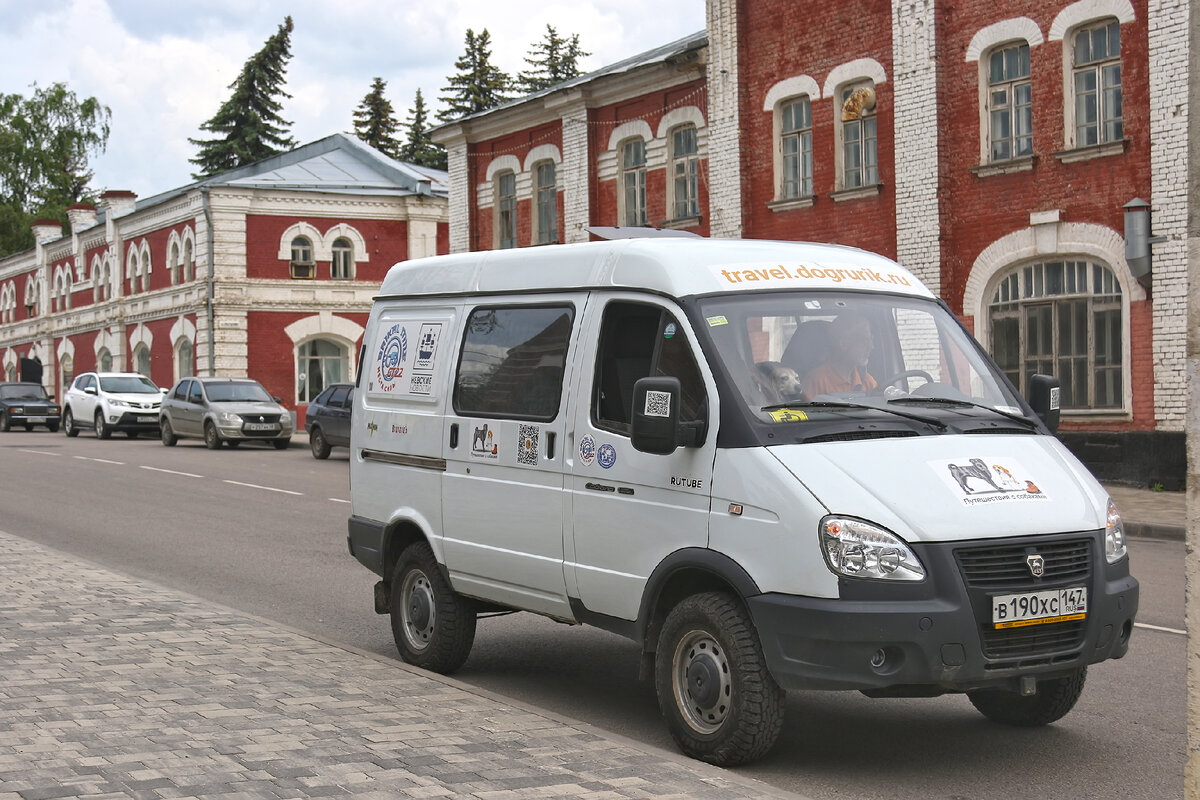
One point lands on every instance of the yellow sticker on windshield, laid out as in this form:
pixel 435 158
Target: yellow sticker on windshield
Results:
pixel 717 320
pixel 788 415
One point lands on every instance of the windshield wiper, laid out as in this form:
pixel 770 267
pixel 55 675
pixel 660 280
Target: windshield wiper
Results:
pixel 950 401
pixel 937 423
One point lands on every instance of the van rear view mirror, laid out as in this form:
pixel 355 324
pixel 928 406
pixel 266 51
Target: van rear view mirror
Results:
pixel 656 415
pixel 1045 397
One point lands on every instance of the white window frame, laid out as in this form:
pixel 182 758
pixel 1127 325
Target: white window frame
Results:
pixel 341 259
pixel 545 197
pixel 683 167
pixel 302 264
pixel 631 176
pixel 1010 85
pixel 1100 69
pixel 505 203
pixel 867 120
pixel 1079 15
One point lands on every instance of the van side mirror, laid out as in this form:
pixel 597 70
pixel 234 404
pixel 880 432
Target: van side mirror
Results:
pixel 1045 397
pixel 656 415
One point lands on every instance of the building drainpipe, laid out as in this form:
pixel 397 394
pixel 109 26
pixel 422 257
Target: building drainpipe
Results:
pixel 212 331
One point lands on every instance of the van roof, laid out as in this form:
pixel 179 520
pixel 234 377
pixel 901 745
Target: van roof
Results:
pixel 677 267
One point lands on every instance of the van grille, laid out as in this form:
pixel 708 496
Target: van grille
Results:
pixel 1035 640
pixel 1005 567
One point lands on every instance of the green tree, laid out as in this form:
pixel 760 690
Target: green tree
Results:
pixel 551 61
pixel 248 127
pixel 45 143
pixel 478 85
pixel 375 121
pixel 419 148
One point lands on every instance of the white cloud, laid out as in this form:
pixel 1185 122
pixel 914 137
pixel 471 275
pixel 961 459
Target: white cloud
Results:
pixel 164 68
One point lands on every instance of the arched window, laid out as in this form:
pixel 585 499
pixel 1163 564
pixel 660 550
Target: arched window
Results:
pixel 1010 102
pixel 342 265
pixel 104 360
pixel 506 210
pixel 797 149
pixel 189 262
pixel 1061 318
pixel 859 135
pixel 174 266
pixel 633 182
pixel 685 172
pixel 302 264
pixel 319 362
pixel 547 203
pixel 66 368
pixel 1096 65
pixel 185 357
pixel 141 359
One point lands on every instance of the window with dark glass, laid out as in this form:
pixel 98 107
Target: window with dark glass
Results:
pixel 513 360
pixel 685 171
pixel 547 203
pixel 796 146
pixel 302 265
pixel 633 182
pixel 342 265
pixel 506 209
pixel 1010 103
pixel 1061 318
pixel 1097 75
pixel 860 157
pixel 640 341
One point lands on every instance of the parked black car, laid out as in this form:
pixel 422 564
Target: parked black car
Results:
pixel 27 404
pixel 328 419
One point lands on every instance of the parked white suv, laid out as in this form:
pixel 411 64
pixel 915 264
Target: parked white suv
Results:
pixel 112 401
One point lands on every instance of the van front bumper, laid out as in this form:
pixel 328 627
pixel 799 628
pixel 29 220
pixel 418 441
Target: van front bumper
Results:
pixel 938 636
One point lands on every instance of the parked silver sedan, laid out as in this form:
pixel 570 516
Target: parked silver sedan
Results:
pixel 220 410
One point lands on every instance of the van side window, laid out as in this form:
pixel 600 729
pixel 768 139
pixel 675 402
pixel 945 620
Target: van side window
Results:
pixel 513 361
pixel 640 341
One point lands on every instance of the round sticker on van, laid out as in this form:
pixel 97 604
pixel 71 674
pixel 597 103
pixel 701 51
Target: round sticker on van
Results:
pixel 606 456
pixel 587 450
pixel 670 330
pixel 389 361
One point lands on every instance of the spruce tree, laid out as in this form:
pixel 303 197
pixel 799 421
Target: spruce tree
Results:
pixel 479 85
pixel 375 121
pixel 419 148
pixel 551 61
pixel 248 127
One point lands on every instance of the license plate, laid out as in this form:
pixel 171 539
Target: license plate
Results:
pixel 1039 608
pixel 35 419
pixel 147 418
pixel 261 426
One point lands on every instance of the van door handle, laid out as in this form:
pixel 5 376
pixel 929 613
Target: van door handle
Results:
pixel 550 436
pixel 453 435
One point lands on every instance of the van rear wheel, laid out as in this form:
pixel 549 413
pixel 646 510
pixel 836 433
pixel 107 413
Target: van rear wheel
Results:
pixel 434 626
pixel 1054 699
pixel 719 699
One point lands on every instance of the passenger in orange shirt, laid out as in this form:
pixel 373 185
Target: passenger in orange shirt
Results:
pixel 845 368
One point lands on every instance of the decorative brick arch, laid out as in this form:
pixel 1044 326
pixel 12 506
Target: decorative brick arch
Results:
pixel 543 152
pixel 860 68
pixel 308 231
pixel 1017 28
pixel 502 164
pixel 1087 10
pixel 325 324
pixel 634 129
pixel 342 230
pixel 681 116
pixel 791 87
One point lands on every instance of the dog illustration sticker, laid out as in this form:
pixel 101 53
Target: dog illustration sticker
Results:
pixel 483 443
pixel 980 480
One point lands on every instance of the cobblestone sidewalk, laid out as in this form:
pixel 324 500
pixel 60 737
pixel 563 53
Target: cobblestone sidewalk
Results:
pixel 113 688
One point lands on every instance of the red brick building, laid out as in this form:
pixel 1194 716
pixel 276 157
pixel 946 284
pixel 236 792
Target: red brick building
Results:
pixel 266 271
pixel 1011 154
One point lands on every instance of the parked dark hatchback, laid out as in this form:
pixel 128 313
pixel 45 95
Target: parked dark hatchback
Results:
pixel 27 404
pixel 328 419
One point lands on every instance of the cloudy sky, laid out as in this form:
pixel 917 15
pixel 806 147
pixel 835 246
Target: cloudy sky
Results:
pixel 164 66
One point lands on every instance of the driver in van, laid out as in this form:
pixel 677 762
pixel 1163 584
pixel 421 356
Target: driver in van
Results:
pixel 845 368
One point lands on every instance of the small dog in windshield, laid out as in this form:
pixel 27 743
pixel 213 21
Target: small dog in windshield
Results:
pixel 782 379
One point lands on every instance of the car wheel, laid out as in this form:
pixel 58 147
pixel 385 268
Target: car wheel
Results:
pixel 69 424
pixel 719 699
pixel 212 439
pixel 132 434
pixel 166 434
pixel 28 426
pixel 52 427
pixel 5 422
pixel 232 443
pixel 1054 699
pixel 434 627
pixel 320 447
pixel 282 444
pixel 102 430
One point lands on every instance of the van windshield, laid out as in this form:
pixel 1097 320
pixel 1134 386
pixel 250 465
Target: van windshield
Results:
pixel 807 356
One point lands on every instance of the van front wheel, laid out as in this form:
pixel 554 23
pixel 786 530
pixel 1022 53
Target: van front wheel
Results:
pixel 720 701
pixel 434 627
pixel 1054 699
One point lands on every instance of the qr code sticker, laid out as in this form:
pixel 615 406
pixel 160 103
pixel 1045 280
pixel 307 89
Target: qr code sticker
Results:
pixel 658 404
pixel 527 448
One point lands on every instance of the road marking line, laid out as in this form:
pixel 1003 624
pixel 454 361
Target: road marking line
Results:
pixel 1158 628
pixel 267 488
pixel 40 452
pixel 100 460
pixel 338 500
pixel 172 472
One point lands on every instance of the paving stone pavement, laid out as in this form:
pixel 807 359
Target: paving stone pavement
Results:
pixel 114 688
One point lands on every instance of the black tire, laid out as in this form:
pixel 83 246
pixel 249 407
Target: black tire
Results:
pixel 5 422
pixel 434 627
pixel 320 447
pixel 28 426
pixel 719 699
pixel 232 444
pixel 1054 699
pixel 212 439
pixel 166 433
pixel 282 444
pixel 52 427
pixel 102 430
pixel 131 434
pixel 69 427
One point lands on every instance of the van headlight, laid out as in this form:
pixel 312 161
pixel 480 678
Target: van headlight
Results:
pixel 1114 535
pixel 858 549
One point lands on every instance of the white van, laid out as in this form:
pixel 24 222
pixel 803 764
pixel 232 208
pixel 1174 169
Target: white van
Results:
pixel 774 465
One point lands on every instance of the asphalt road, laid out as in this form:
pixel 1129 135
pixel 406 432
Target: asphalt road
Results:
pixel 264 532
